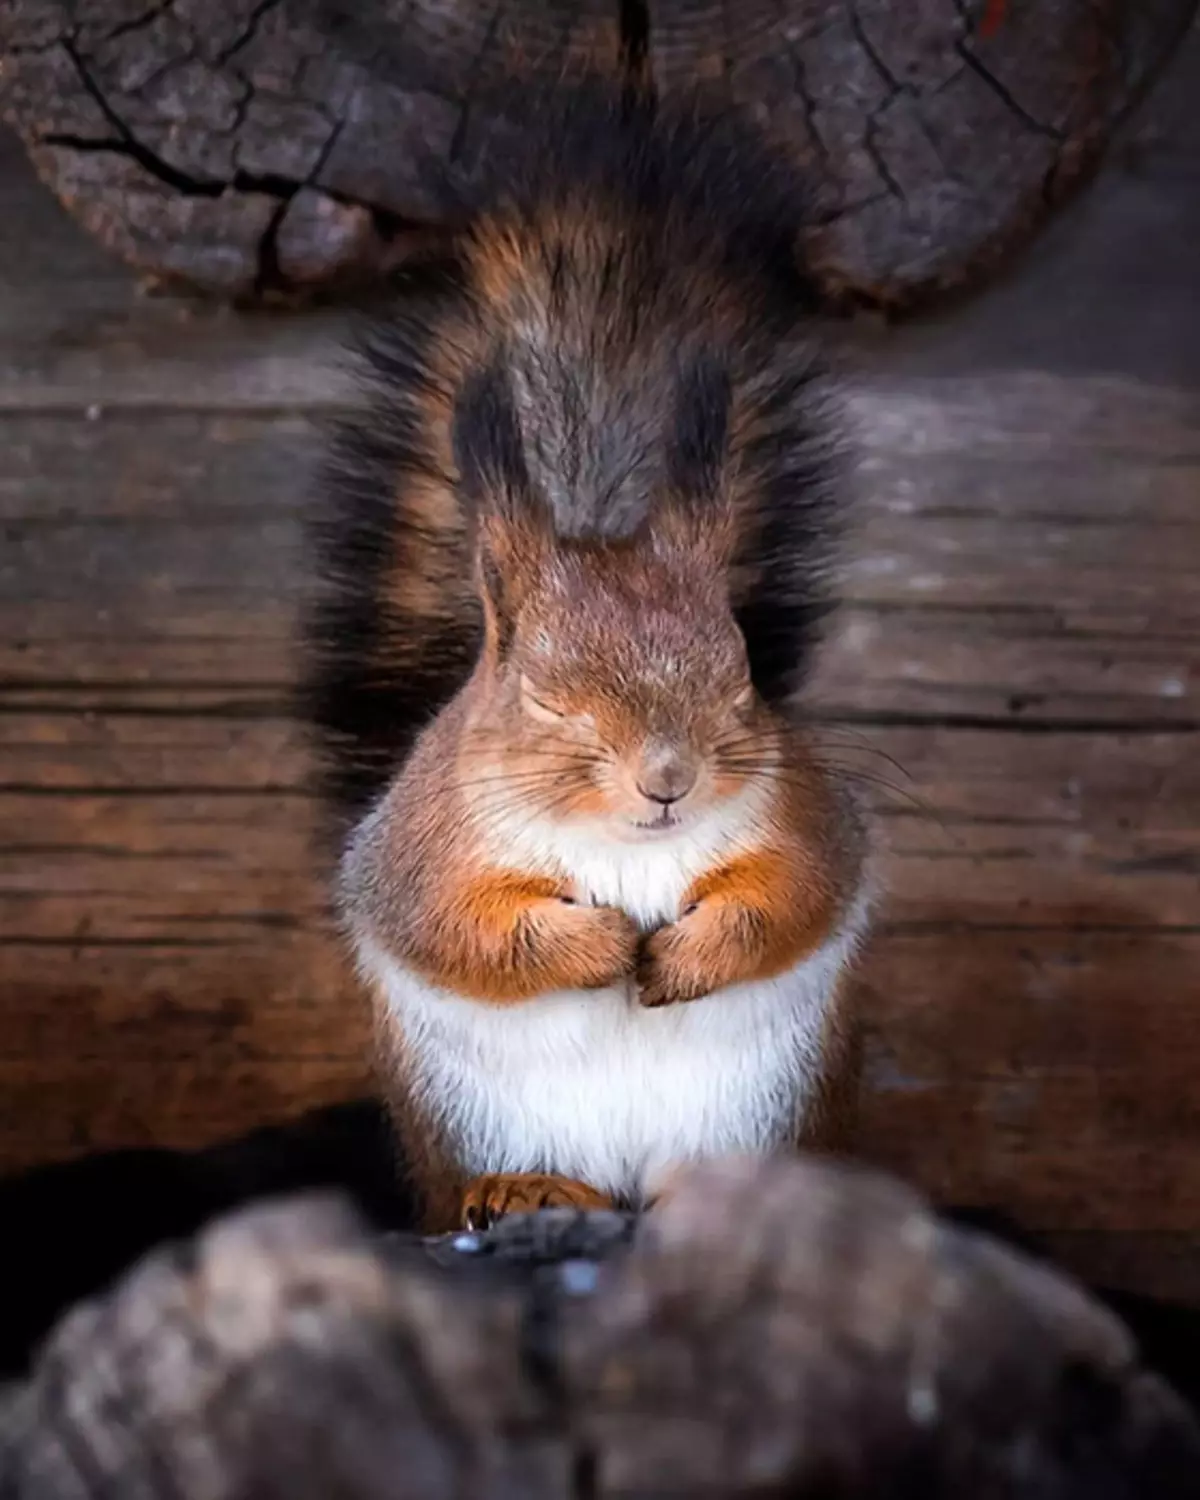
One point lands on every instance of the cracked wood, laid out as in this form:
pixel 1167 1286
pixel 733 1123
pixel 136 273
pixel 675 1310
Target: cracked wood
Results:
pixel 280 148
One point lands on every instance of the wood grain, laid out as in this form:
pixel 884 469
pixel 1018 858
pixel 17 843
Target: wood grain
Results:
pixel 273 148
pixel 1014 677
pixel 169 974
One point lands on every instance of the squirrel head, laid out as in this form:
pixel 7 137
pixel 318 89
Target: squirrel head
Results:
pixel 614 686
pixel 614 683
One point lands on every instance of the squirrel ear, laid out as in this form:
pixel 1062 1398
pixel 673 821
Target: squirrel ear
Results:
pixel 509 553
pixel 689 533
pixel 695 518
pixel 513 530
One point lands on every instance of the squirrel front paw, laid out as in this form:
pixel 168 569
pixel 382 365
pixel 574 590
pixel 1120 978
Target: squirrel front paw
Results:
pixel 603 943
pixel 670 965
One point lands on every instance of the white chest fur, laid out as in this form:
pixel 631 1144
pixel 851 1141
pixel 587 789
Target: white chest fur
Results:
pixel 589 1084
pixel 647 878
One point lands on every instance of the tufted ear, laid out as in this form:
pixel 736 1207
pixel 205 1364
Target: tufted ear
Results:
pixel 695 518
pixel 509 558
pixel 691 538
pixel 514 532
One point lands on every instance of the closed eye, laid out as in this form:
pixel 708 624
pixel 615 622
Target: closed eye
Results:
pixel 537 708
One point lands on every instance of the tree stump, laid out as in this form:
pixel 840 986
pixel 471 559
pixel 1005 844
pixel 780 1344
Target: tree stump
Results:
pixel 258 147
pixel 784 1328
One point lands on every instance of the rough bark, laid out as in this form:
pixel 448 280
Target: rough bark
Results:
pixel 787 1328
pixel 260 147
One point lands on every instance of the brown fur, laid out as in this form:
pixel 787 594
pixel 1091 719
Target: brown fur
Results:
pixel 831 1120
pixel 599 717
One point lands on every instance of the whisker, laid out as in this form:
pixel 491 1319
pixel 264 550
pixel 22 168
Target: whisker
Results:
pixel 926 809
pixel 785 776
pixel 516 778
pixel 866 749
pixel 579 752
pixel 746 763
pixel 543 794
pixel 741 740
pixel 500 807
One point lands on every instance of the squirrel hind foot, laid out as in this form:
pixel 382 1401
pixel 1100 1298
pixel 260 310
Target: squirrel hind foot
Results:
pixel 490 1197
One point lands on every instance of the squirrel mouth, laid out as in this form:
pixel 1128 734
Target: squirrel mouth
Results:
pixel 665 820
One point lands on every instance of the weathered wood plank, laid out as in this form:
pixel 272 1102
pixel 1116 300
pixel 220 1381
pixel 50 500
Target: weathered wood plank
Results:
pixel 197 468
pixel 170 1043
pixel 1035 891
pixel 1044 1069
pixel 78 332
pixel 168 556
pixel 1011 665
pixel 1096 827
pixel 161 903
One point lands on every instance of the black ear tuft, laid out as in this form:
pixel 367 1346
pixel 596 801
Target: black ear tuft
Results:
pixel 700 436
pixel 488 447
pixel 694 518
pixel 512 527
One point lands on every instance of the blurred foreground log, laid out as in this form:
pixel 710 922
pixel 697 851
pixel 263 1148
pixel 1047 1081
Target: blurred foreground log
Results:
pixel 260 147
pixel 783 1328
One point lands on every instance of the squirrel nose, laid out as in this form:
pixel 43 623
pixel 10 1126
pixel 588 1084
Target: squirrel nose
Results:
pixel 667 774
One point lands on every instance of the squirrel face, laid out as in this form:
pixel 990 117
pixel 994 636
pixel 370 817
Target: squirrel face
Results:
pixel 620 694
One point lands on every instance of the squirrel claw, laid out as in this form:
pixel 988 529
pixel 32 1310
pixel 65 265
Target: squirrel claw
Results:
pixel 652 990
pixel 655 997
pixel 660 981
pixel 488 1199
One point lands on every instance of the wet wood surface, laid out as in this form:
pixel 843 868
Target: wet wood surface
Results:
pixel 1021 640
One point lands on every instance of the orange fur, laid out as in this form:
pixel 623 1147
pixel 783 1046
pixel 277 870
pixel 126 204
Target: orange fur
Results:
pixel 491 934
pixel 751 919
pixel 485 1199
pixel 762 912
pixel 515 936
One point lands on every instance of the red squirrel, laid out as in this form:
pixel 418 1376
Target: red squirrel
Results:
pixel 597 876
